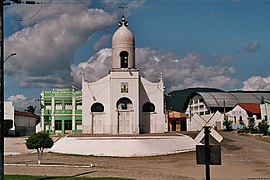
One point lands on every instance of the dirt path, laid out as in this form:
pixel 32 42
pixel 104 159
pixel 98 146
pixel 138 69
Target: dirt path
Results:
pixel 242 158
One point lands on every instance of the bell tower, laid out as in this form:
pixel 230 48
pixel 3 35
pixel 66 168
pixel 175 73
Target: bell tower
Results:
pixel 123 47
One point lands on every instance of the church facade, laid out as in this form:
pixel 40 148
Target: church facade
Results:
pixel 123 102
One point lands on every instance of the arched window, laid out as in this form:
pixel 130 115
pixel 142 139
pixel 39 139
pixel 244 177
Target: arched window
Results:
pixel 148 107
pixel 124 104
pixel 97 107
pixel 124 59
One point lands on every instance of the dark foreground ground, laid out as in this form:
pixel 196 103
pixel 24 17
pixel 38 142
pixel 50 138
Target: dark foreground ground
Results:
pixel 242 158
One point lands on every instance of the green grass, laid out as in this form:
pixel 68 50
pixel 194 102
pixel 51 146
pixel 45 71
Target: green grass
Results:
pixel 24 177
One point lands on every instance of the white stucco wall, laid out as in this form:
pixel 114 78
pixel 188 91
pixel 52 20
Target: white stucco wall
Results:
pixel 236 113
pixel 93 93
pixel 9 114
pixel 107 91
pixel 265 111
pixel 131 78
pixel 154 93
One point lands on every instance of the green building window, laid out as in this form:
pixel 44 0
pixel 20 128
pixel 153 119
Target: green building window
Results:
pixel 48 104
pixel 68 105
pixel 79 104
pixel 58 105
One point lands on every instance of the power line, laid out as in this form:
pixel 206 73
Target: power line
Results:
pixel 164 3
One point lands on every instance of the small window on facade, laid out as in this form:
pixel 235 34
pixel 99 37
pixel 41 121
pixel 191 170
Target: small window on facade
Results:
pixel 68 104
pixel 79 104
pixel 58 104
pixel 124 59
pixel 47 102
pixel 148 107
pixel 97 107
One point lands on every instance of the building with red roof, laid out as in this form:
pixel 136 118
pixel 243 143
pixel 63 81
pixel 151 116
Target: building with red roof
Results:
pixel 242 112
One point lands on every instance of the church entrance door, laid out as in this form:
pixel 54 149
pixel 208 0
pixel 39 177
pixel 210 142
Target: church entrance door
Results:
pixel 97 111
pixel 149 114
pixel 148 122
pixel 125 122
pixel 125 116
pixel 97 123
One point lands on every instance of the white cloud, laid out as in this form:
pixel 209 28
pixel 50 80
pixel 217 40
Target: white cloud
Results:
pixel 95 68
pixel 45 51
pixel 21 102
pixel 257 83
pixel 178 72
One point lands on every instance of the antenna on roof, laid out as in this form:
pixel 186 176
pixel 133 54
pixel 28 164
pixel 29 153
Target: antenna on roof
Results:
pixel 123 19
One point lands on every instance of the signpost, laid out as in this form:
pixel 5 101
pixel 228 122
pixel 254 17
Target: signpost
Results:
pixel 208 154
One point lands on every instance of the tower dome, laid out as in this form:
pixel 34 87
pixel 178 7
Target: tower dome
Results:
pixel 123 35
pixel 123 47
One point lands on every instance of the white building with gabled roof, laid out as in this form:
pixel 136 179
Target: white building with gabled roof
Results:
pixel 123 102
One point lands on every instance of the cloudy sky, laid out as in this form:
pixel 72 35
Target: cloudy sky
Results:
pixel 197 43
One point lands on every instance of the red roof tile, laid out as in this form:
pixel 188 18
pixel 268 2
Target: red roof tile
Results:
pixel 26 114
pixel 252 108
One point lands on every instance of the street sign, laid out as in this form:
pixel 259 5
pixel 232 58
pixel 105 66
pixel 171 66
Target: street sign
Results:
pixel 215 154
pixel 210 122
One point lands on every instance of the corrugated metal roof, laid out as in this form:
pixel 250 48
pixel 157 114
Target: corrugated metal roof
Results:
pixel 216 99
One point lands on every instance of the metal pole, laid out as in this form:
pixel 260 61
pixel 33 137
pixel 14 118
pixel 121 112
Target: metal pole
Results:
pixel 2 3
pixel 207 152
pixel 2 93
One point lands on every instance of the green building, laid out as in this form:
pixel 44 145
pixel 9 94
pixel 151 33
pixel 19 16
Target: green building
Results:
pixel 61 111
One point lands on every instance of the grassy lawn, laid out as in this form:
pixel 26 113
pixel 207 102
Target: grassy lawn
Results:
pixel 22 177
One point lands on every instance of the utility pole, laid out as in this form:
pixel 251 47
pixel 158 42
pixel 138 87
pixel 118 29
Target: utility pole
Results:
pixel 2 93
pixel 2 4
pixel 207 152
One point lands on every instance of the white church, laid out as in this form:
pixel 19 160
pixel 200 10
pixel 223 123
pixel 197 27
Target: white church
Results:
pixel 123 102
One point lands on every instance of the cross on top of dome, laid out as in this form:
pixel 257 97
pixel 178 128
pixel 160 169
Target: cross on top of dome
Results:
pixel 123 21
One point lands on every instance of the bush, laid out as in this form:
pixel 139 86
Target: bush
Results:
pixel 251 125
pixel 263 127
pixel 227 124
pixel 244 130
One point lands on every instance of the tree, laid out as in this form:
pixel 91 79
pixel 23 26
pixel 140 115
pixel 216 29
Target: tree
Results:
pixel 30 109
pixel 263 127
pixel 251 125
pixel 227 124
pixel 39 141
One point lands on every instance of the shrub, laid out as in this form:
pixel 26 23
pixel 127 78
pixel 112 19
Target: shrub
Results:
pixel 227 124
pixel 263 127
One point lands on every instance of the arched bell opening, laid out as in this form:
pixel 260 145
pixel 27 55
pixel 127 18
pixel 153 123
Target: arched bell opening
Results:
pixel 124 59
